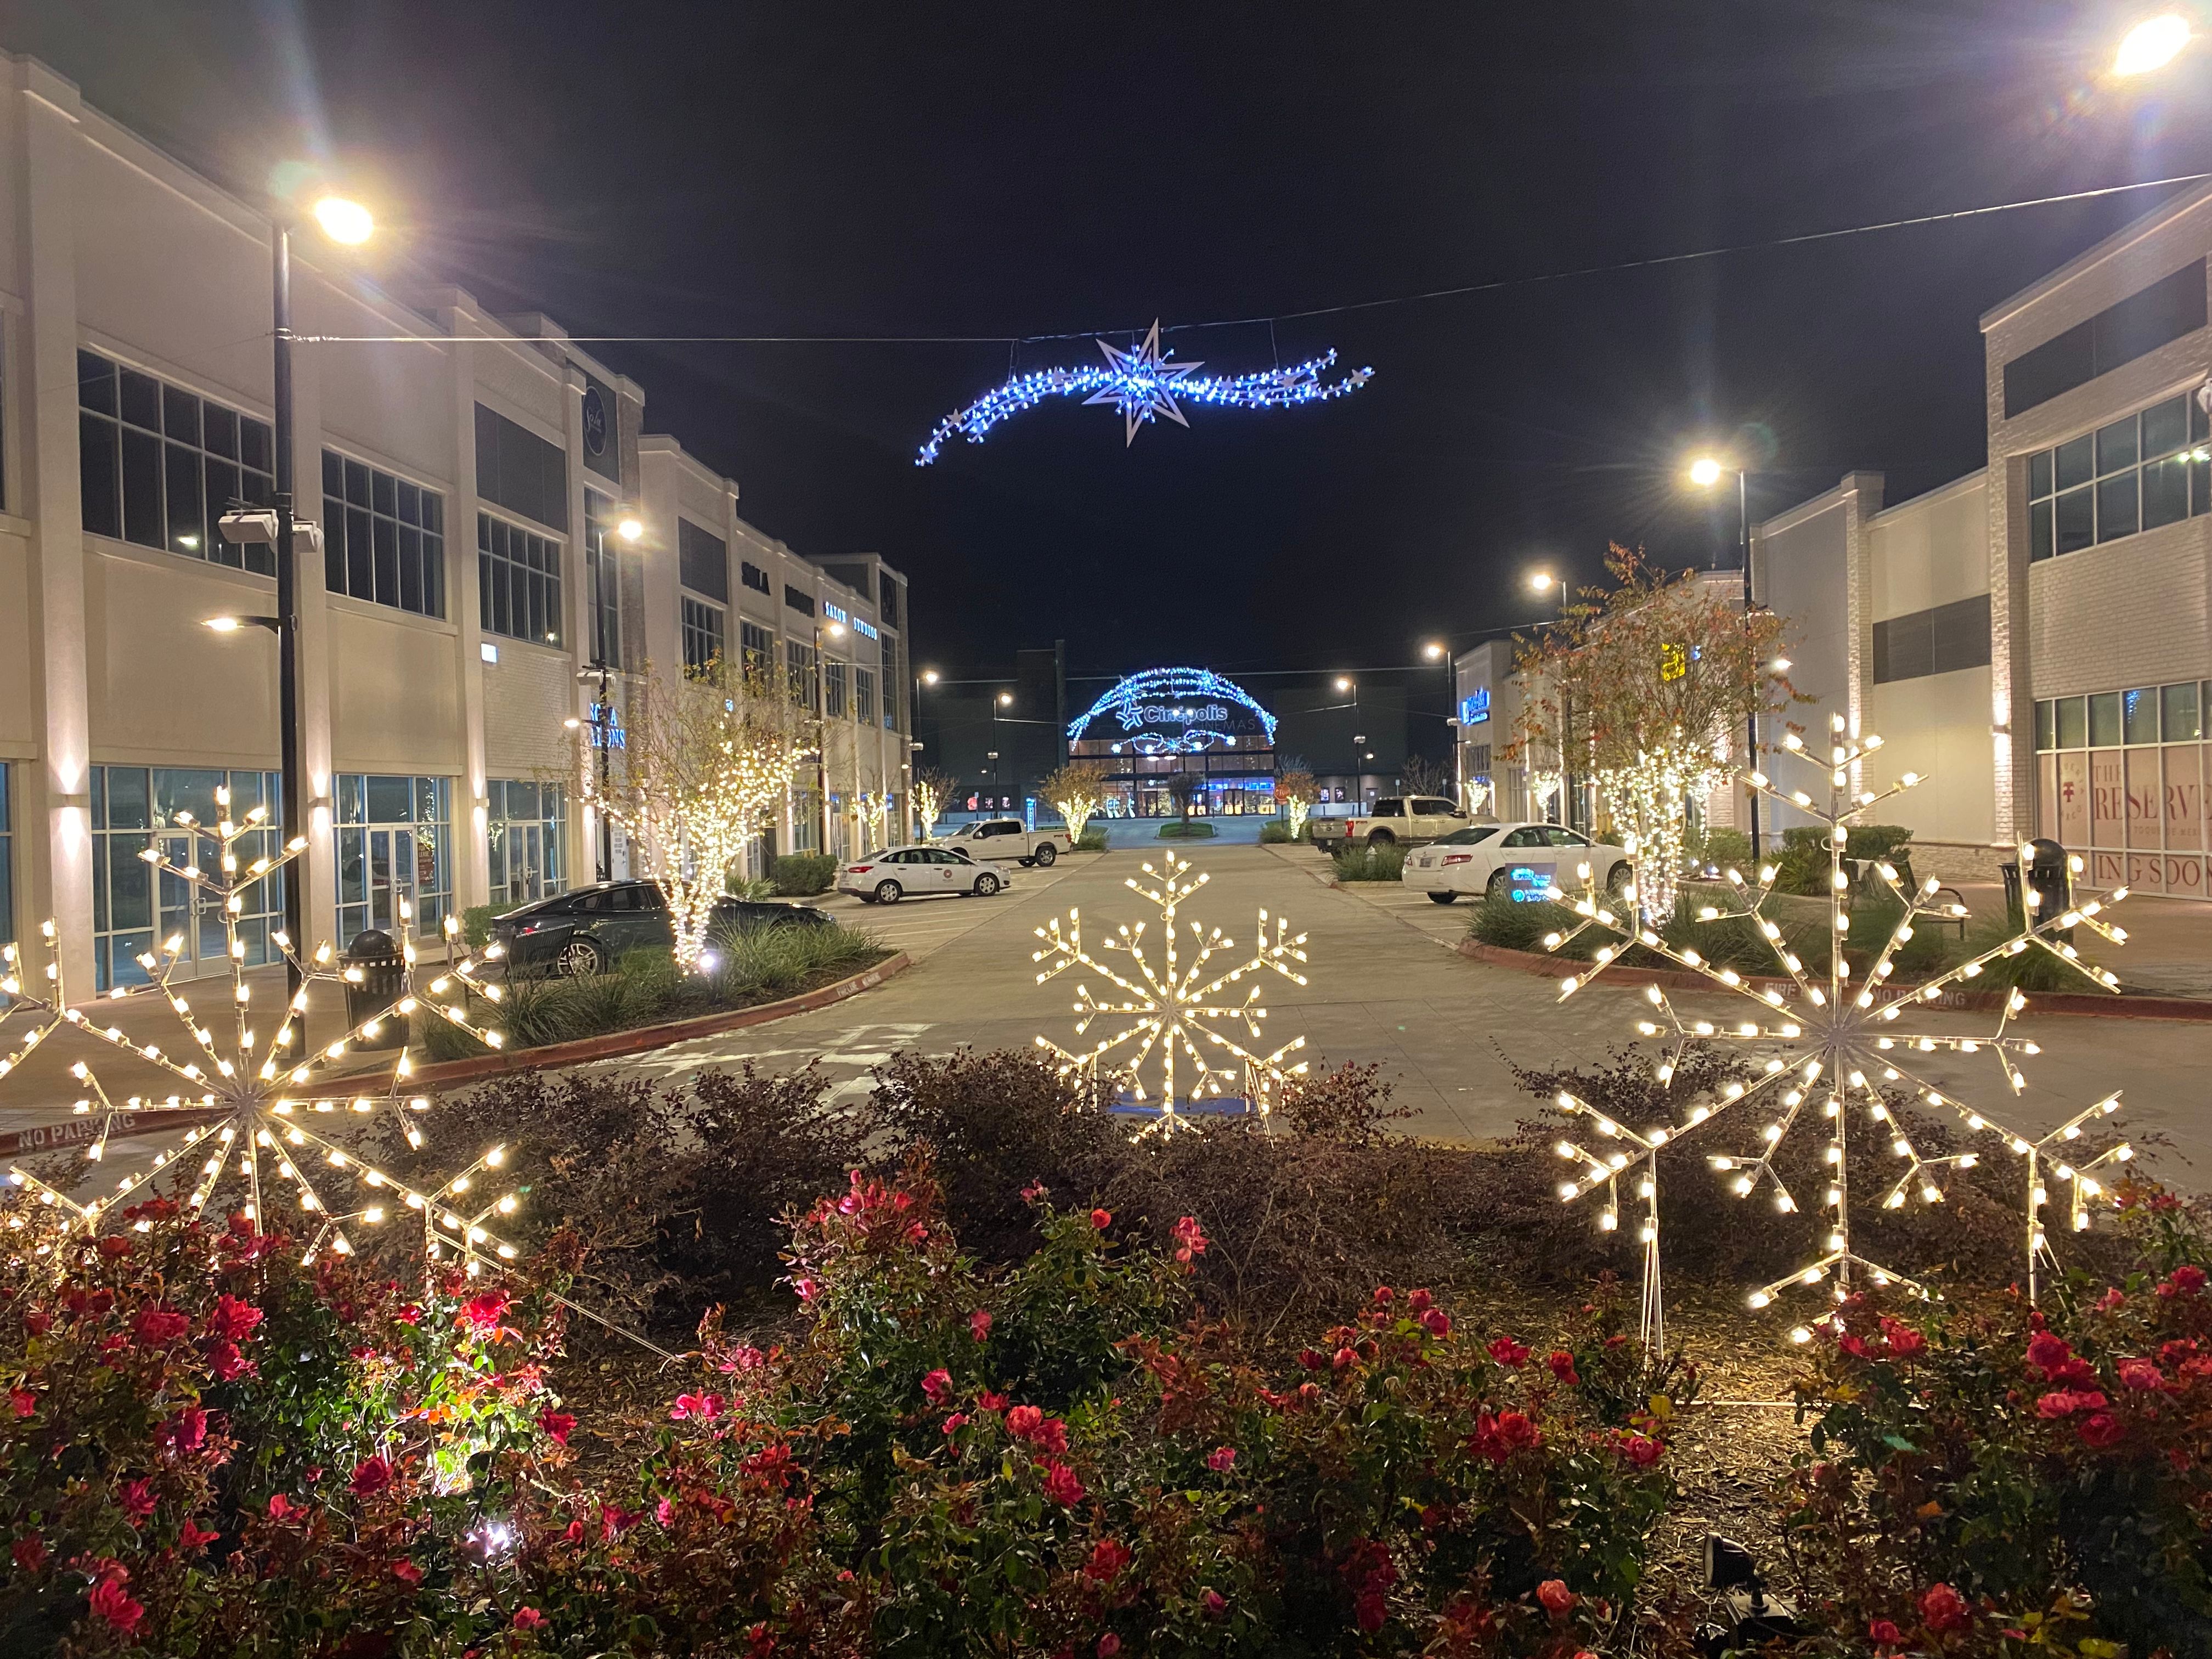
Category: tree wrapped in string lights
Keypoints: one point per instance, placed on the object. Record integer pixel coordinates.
(252, 1107)
(1169, 1004)
(1296, 791)
(933, 794)
(1835, 1041)
(704, 756)
(1072, 791)
(1642, 687)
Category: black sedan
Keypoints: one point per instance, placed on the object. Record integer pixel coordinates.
(586, 931)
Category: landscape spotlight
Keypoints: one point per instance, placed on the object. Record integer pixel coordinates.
(2151, 45)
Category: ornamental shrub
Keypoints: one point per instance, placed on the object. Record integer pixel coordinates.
(796, 875)
(1276, 832)
(1379, 861)
(2003, 1473)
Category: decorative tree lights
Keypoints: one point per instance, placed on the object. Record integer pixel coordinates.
(1072, 791)
(1168, 1005)
(1143, 384)
(249, 1105)
(1841, 1048)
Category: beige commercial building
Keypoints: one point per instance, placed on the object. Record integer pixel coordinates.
(2034, 638)
(467, 473)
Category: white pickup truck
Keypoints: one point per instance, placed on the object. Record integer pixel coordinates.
(1393, 821)
(1002, 839)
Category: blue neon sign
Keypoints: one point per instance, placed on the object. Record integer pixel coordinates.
(1474, 708)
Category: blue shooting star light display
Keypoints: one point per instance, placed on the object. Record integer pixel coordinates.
(1143, 384)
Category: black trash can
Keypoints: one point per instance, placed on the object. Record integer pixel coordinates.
(375, 979)
(2051, 878)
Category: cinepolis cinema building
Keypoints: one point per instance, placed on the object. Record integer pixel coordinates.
(1154, 727)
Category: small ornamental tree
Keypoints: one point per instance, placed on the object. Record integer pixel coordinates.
(704, 756)
(1074, 791)
(933, 792)
(1651, 679)
(1423, 776)
(1297, 792)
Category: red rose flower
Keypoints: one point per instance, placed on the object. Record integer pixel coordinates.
(30, 1552)
(957, 1422)
(1563, 1365)
(183, 1431)
(989, 1401)
(1903, 1341)
(1508, 1353)
(1101, 1219)
(481, 1315)
(24, 1400)
(1419, 1301)
(1213, 1602)
(110, 1600)
(409, 1315)
(1384, 1294)
(1943, 1608)
(558, 1425)
(113, 1248)
(226, 1362)
(1556, 1596)
(1022, 1421)
(1108, 1556)
(192, 1538)
(2185, 1280)
(1437, 1321)
(979, 1323)
(232, 1320)
(136, 1500)
(2101, 1429)
(937, 1386)
(407, 1573)
(1221, 1458)
(371, 1475)
(1640, 1449)
(1108, 1646)
(1886, 1632)
(2142, 1375)
(1190, 1239)
(280, 1506)
(2047, 1350)
(1061, 1486)
(159, 1324)
(528, 1619)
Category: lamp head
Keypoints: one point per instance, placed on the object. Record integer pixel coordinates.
(1540, 580)
(929, 677)
(223, 625)
(345, 222)
(1705, 473)
(629, 526)
(2151, 44)
(1433, 651)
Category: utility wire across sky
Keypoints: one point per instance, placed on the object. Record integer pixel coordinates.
(1495, 285)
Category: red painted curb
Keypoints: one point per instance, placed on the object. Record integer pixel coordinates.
(1676, 979)
(640, 1039)
(83, 1131)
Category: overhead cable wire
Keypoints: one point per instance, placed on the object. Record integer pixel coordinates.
(1495, 285)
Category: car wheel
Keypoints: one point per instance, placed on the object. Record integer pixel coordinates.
(1047, 854)
(1618, 877)
(1443, 898)
(986, 885)
(1380, 838)
(1497, 888)
(887, 892)
(579, 958)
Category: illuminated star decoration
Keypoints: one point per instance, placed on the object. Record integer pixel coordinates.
(1171, 1003)
(1839, 1045)
(246, 1107)
(1142, 383)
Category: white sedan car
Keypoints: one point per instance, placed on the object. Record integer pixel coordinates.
(1525, 862)
(917, 870)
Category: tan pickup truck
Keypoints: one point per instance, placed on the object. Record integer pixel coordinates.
(1393, 821)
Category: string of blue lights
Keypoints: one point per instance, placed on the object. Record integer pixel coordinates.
(1144, 385)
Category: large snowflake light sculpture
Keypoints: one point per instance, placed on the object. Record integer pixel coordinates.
(250, 1108)
(1170, 1004)
(1142, 383)
(1836, 1043)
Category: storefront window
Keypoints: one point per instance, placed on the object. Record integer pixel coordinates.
(2120, 779)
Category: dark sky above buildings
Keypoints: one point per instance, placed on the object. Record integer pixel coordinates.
(1020, 169)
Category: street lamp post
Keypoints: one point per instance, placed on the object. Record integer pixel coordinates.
(1543, 581)
(1436, 651)
(1705, 473)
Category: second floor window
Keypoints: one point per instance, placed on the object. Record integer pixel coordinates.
(383, 539)
(519, 579)
(759, 647)
(2152, 468)
(833, 689)
(864, 696)
(799, 667)
(702, 634)
(158, 464)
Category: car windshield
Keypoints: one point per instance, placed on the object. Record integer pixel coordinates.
(1468, 836)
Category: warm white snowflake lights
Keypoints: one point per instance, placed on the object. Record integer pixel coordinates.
(1834, 1045)
(250, 1107)
(1168, 1005)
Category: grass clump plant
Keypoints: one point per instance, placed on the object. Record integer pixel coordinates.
(798, 875)
(1375, 861)
(1186, 829)
(1276, 832)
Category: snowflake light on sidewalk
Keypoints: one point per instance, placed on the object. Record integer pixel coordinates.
(1839, 1046)
(249, 1107)
(1142, 383)
(1168, 1004)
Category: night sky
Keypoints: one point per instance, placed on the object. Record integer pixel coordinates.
(989, 169)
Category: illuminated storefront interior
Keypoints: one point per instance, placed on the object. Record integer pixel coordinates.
(1167, 734)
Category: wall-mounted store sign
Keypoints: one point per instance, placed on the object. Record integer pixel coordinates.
(1474, 708)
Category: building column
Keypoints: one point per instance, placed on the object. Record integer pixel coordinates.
(472, 857)
(582, 851)
(2012, 687)
(317, 757)
(54, 821)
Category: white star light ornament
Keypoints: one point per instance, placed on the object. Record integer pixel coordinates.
(1834, 1043)
(246, 1106)
(1170, 1006)
(1144, 384)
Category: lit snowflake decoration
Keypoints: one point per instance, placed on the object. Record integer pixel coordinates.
(1145, 385)
(246, 1107)
(1841, 1044)
(1170, 1006)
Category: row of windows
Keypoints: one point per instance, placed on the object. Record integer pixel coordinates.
(2109, 720)
(383, 539)
(2147, 469)
(702, 634)
(159, 465)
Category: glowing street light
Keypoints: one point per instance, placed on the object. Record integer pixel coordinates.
(629, 527)
(1433, 651)
(2151, 45)
(929, 677)
(1005, 699)
(345, 222)
(1540, 580)
(1343, 683)
(1705, 472)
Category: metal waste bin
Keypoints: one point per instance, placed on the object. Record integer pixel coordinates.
(2048, 876)
(375, 979)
